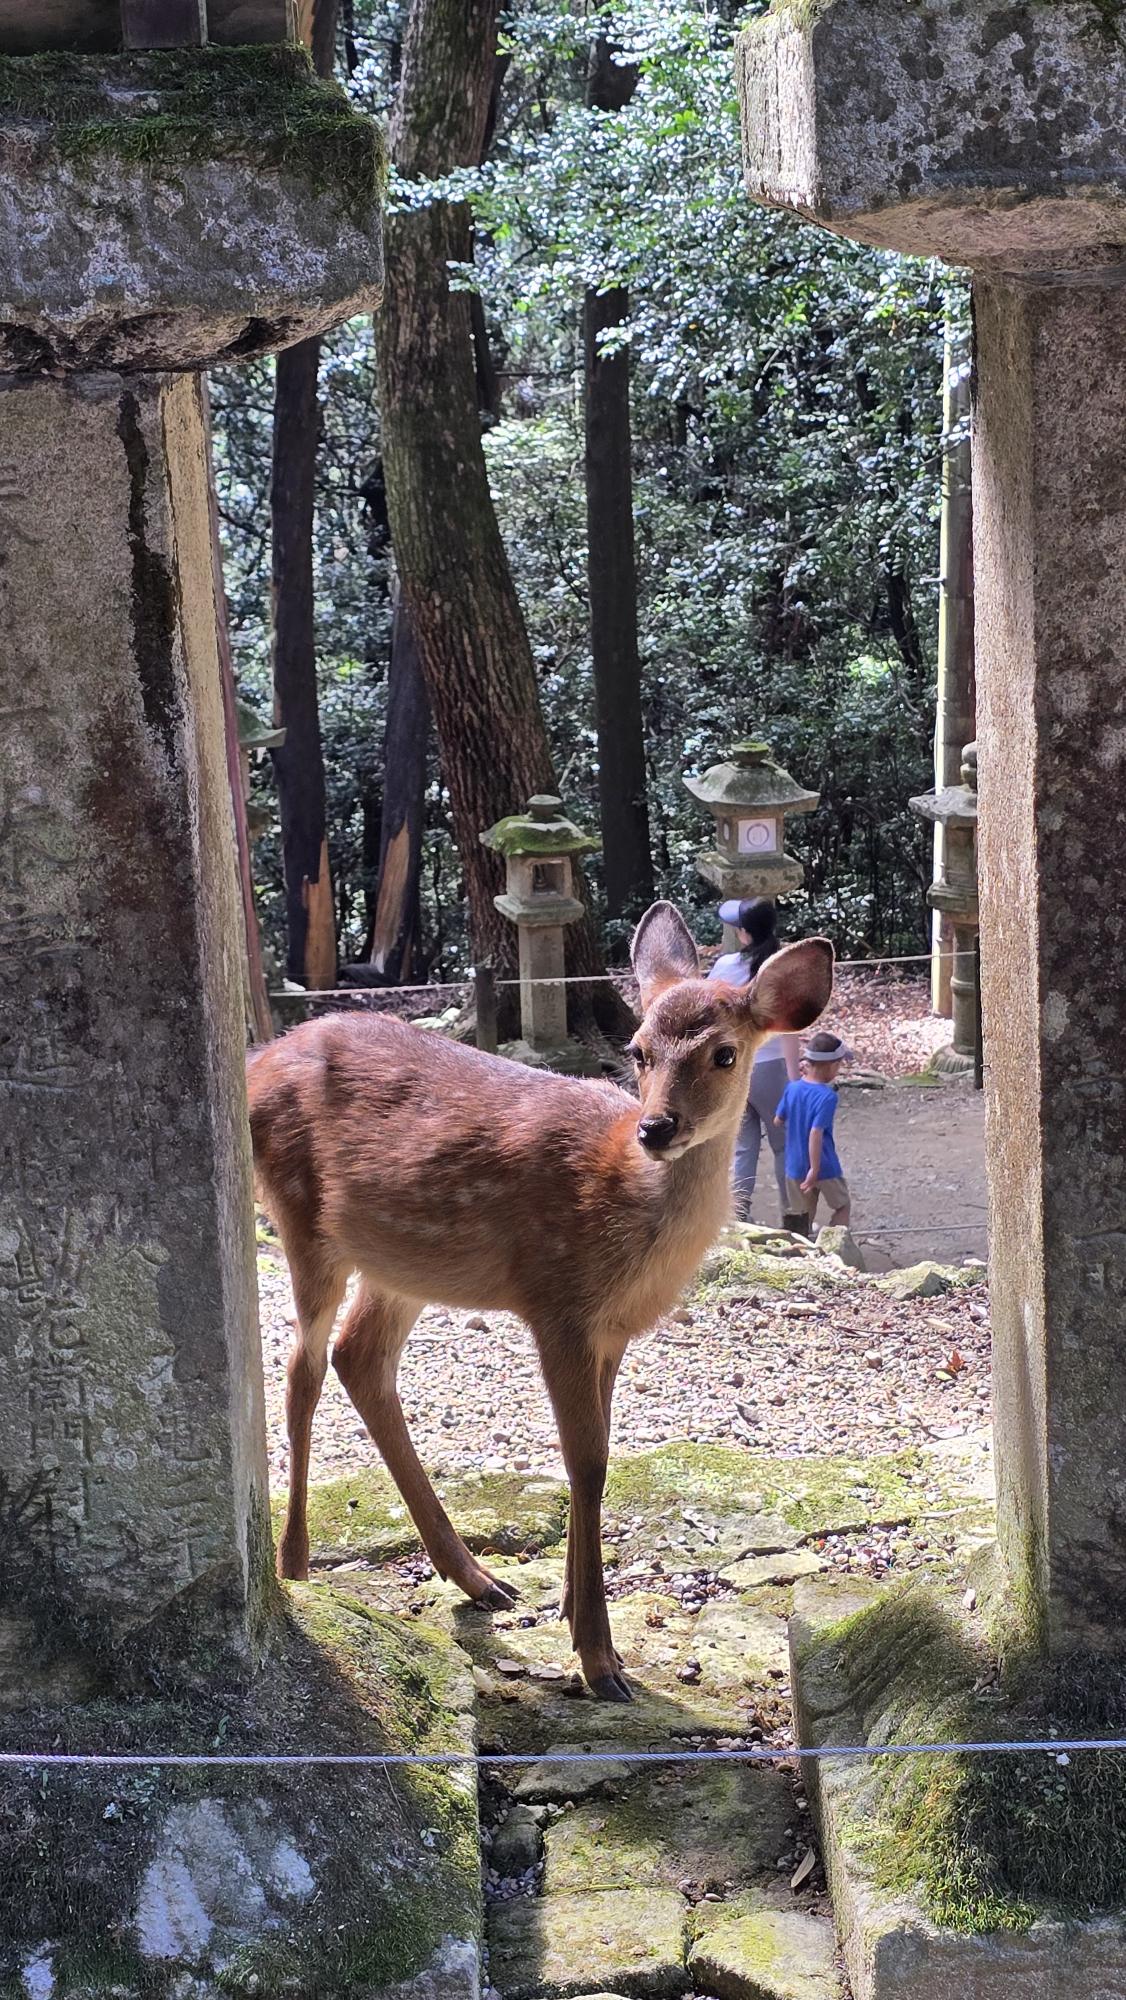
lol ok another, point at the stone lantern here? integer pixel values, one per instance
(955, 894)
(538, 848)
(750, 797)
(255, 737)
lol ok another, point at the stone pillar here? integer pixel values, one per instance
(131, 1413)
(132, 1436)
(996, 137)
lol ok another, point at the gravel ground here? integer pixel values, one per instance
(853, 1371)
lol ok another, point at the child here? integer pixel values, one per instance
(807, 1111)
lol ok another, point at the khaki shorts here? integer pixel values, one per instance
(835, 1193)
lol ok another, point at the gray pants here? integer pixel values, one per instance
(768, 1081)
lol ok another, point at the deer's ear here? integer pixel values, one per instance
(793, 987)
(663, 952)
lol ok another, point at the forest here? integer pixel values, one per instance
(713, 442)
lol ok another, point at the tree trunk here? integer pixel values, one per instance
(456, 583)
(627, 864)
(299, 762)
(405, 739)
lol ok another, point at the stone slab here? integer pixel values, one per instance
(983, 133)
(767, 1954)
(717, 1828)
(181, 209)
(132, 1432)
(633, 1939)
(892, 1950)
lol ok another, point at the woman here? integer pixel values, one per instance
(777, 1061)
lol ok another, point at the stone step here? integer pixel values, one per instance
(764, 1953)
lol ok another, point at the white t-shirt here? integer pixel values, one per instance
(733, 968)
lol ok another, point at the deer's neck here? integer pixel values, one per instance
(687, 1203)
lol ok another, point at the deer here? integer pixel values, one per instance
(439, 1175)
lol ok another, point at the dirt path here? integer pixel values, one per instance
(915, 1159)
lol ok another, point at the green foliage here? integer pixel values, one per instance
(787, 457)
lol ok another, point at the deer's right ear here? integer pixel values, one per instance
(663, 952)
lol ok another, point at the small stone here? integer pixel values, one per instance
(841, 1243)
(477, 1324)
(918, 1281)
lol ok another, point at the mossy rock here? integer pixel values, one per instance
(275, 1880)
(986, 1844)
(764, 1953)
(632, 1939)
(362, 1515)
(166, 108)
(730, 1491)
(713, 1827)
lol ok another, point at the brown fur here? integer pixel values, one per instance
(444, 1176)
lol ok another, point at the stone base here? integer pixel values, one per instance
(907, 1842)
(950, 1062)
(187, 1884)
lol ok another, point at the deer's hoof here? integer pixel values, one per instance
(293, 1564)
(609, 1687)
(496, 1596)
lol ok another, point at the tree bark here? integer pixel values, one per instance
(456, 583)
(627, 864)
(299, 763)
(407, 730)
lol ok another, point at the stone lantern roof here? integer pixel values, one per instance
(253, 732)
(750, 778)
(543, 830)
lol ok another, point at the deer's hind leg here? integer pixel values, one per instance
(366, 1358)
(318, 1287)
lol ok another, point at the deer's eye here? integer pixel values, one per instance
(726, 1057)
(637, 1054)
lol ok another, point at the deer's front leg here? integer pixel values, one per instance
(580, 1398)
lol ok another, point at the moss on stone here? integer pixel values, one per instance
(809, 1494)
(989, 1843)
(506, 1513)
(395, 1861)
(172, 108)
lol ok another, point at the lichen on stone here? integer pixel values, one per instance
(988, 1842)
(167, 109)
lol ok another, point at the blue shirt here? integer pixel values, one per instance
(806, 1108)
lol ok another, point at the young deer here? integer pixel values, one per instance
(443, 1176)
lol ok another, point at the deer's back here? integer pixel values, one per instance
(451, 1176)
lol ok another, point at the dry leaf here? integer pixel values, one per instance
(804, 1869)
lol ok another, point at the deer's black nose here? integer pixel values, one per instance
(655, 1133)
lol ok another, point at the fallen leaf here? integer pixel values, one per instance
(804, 1869)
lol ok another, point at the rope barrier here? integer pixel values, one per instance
(284, 994)
(1059, 1747)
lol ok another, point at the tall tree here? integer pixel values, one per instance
(454, 573)
(396, 919)
(299, 762)
(627, 864)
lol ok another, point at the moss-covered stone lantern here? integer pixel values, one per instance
(255, 737)
(750, 798)
(539, 847)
